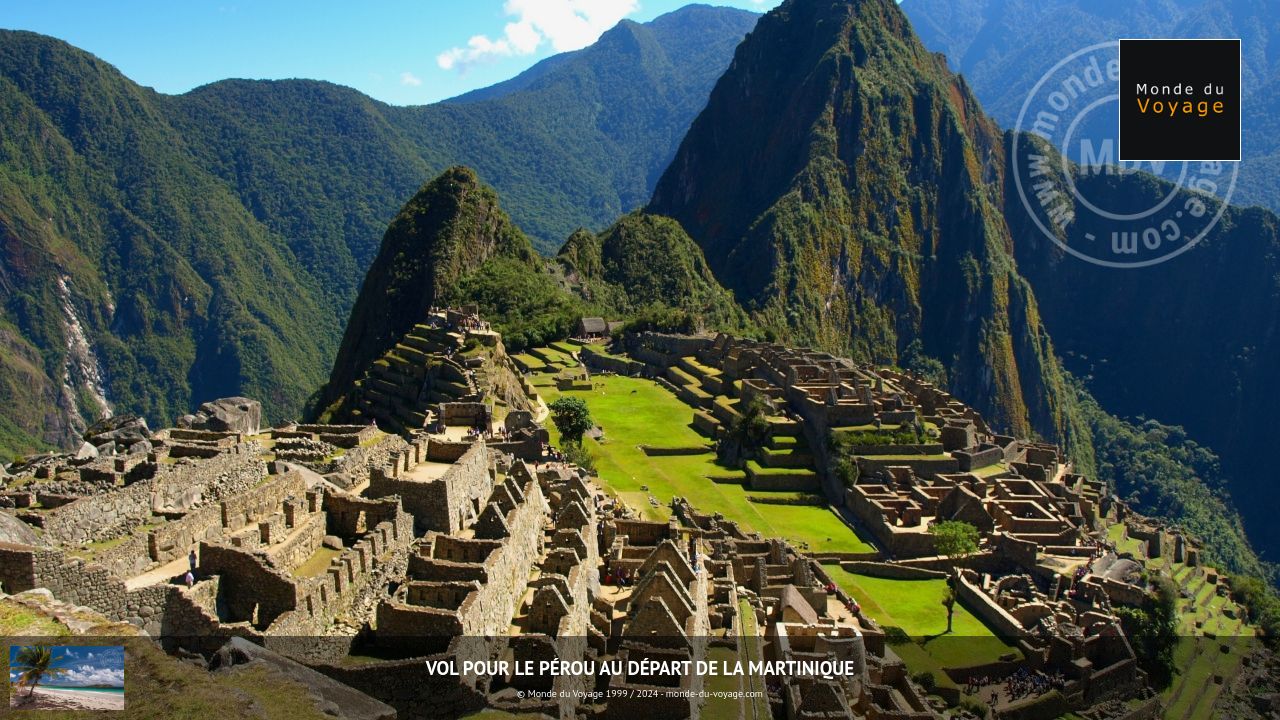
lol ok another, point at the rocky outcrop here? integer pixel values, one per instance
(116, 436)
(232, 414)
(332, 697)
(13, 530)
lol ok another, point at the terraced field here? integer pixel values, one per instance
(916, 607)
(635, 412)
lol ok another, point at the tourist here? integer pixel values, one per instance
(191, 558)
(189, 579)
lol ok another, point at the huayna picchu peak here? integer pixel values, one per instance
(839, 183)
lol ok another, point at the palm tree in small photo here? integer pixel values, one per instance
(33, 663)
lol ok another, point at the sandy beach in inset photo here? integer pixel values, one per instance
(60, 699)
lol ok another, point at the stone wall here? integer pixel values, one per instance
(610, 363)
(352, 579)
(359, 461)
(447, 452)
(488, 608)
(981, 605)
(249, 507)
(17, 568)
(249, 589)
(109, 515)
(171, 540)
(895, 543)
(129, 558)
(443, 504)
(979, 458)
(227, 473)
(300, 544)
(892, 571)
(100, 517)
(164, 611)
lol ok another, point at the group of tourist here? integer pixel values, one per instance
(552, 454)
(1020, 684)
(190, 578)
(621, 578)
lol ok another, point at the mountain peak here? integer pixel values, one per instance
(852, 210)
(451, 225)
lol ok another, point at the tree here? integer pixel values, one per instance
(955, 540)
(33, 663)
(747, 432)
(949, 602)
(572, 418)
(1152, 631)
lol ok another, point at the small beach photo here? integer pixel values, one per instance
(66, 677)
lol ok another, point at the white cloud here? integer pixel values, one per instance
(565, 24)
(408, 78)
(90, 675)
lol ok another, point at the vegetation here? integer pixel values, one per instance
(33, 663)
(18, 620)
(572, 418)
(453, 224)
(1152, 631)
(911, 605)
(914, 359)
(1166, 475)
(579, 455)
(212, 243)
(1260, 601)
(746, 433)
(647, 265)
(840, 250)
(529, 308)
(633, 412)
(180, 292)
(955, 540)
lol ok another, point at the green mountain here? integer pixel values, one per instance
(451, 227)
(327, 166)
(866, 208)
(1004, 46)
(1194, 340)
(643, 262)
(854, 210)
(160, 251)
(453, 244)
(131, 275)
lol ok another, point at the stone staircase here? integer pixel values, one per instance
(422, 370)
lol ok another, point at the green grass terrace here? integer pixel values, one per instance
(916, 607)
(635, 412)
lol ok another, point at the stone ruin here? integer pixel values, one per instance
(453, 539)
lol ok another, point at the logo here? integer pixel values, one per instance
(1067, 170)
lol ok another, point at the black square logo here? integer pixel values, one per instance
(1179, 100)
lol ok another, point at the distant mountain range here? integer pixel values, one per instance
(159, 251)
(1002, 47)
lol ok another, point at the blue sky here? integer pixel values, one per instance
(402, 52)
(85, 665)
